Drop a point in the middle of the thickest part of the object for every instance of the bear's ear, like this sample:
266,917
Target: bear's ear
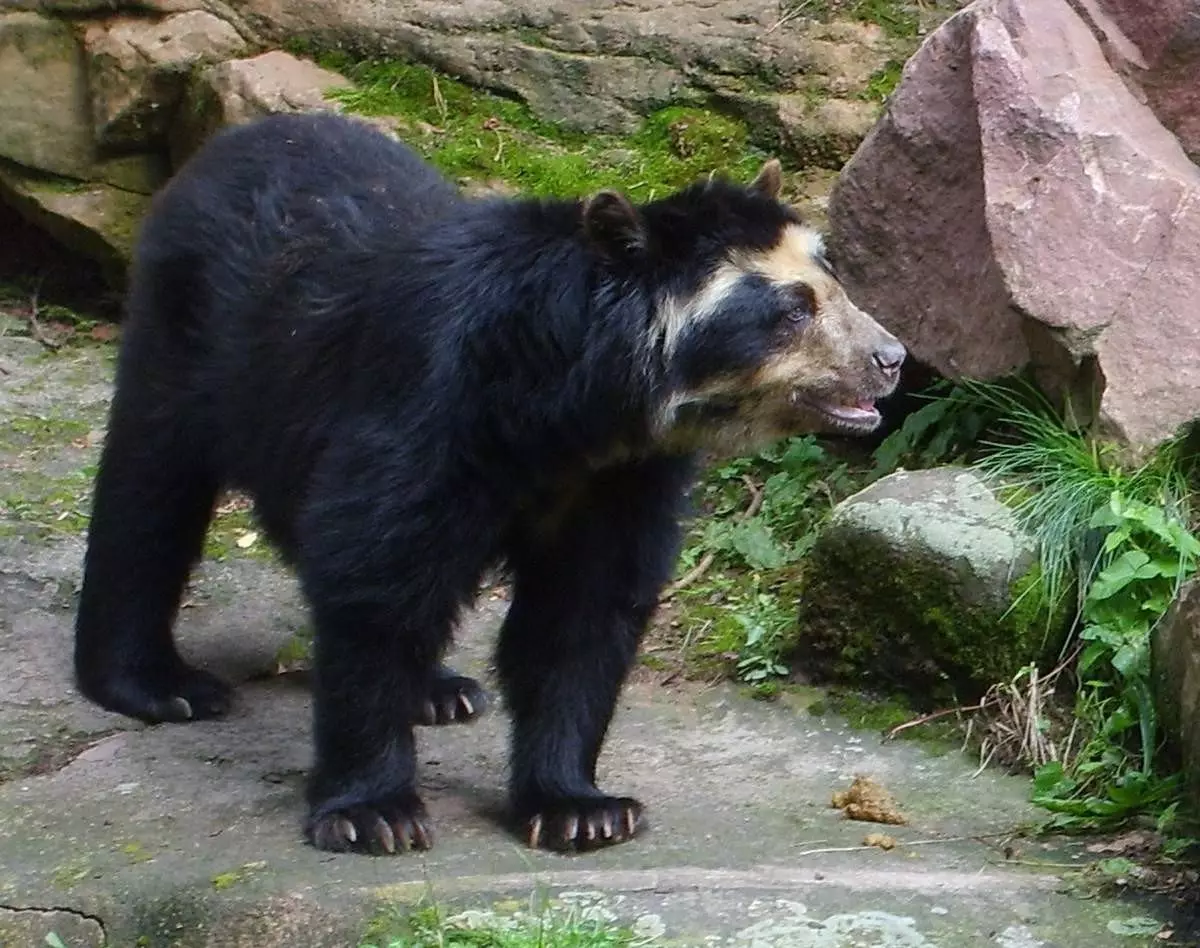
769,180
614,224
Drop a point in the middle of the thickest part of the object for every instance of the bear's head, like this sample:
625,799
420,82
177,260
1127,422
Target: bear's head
752,333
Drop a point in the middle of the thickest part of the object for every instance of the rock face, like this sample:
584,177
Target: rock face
43,96
238,91
601,66
946,564
1156,46
139,68
1176,660
1018,205
94,219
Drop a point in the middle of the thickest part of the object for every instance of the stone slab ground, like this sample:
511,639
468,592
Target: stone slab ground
116,834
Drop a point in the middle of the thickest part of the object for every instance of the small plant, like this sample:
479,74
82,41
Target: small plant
1118,535
765,623
943,430
747,611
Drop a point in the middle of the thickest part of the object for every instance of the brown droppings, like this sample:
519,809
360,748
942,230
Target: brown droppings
868,802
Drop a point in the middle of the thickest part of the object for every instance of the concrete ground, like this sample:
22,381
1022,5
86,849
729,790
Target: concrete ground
112,833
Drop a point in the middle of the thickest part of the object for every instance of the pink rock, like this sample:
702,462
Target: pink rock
1156,46
1018,205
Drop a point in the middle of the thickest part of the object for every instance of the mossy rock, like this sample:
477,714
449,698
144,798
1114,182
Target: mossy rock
923,584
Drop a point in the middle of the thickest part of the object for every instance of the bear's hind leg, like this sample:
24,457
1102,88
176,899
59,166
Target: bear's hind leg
151,507
584,590
453,699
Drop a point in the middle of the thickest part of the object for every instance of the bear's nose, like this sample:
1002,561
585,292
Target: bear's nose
890,356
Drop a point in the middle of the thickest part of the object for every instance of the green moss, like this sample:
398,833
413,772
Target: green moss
296,652
227,880
34,432
914,634
36,503
883,81
70,874
882,713
654,663
478,136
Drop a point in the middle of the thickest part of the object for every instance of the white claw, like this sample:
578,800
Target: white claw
466,703
535,832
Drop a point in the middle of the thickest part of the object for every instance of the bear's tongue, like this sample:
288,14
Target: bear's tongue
862,409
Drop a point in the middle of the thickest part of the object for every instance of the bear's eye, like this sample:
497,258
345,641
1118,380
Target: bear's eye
804,303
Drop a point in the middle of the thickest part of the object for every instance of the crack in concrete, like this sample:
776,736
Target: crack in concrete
59,910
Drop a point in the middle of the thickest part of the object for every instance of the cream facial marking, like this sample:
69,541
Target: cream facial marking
795,259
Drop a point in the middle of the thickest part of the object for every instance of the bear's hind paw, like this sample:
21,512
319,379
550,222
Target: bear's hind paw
187,694
453,699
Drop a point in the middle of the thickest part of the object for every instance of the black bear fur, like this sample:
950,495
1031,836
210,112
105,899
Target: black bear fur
412,387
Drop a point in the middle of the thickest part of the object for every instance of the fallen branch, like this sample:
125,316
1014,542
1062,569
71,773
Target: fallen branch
900,844
926,718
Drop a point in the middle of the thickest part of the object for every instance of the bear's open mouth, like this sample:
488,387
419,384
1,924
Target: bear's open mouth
857,415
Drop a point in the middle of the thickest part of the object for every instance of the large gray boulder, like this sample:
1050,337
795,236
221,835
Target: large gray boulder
953,605
1020,205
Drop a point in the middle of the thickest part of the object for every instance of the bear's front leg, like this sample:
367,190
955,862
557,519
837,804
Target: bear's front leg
386,565
370,685
586,584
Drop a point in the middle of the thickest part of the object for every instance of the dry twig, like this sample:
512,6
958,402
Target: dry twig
35,328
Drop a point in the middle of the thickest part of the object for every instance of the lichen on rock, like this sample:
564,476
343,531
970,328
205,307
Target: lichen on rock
924,584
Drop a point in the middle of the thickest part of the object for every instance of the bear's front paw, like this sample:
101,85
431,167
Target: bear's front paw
378,827
453,699
583,823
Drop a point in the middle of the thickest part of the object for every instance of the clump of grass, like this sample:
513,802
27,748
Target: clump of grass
883,81
568,925
1058,478
472,134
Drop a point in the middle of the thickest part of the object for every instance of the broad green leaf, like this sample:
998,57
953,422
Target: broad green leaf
753,540
1124,570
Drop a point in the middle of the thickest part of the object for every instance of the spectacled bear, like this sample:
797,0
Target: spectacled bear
414,386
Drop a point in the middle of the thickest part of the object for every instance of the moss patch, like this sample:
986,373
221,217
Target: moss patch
883,81
472,135
915,634
34,504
